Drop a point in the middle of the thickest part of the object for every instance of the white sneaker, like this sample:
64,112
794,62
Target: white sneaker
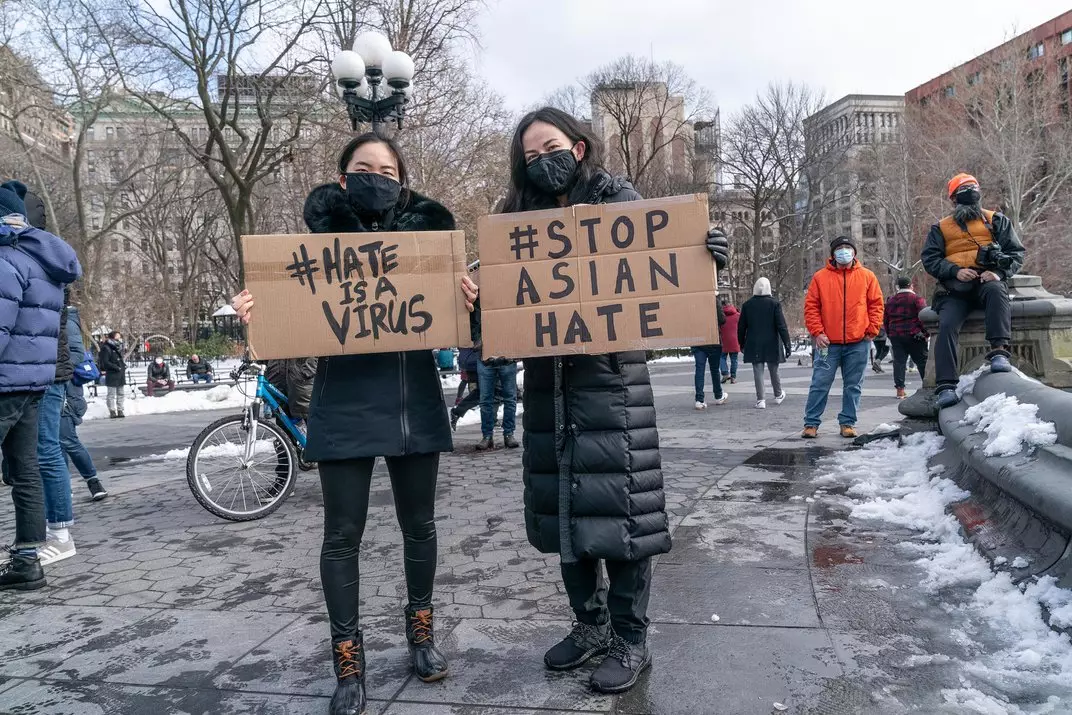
780,399
761,404
55,550
701,405
724,399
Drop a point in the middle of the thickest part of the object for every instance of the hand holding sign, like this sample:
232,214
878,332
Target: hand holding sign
243,305
471,291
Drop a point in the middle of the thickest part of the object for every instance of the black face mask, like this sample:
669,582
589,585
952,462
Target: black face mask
553,173
372,193
968,197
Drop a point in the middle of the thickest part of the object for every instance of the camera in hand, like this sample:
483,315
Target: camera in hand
991,257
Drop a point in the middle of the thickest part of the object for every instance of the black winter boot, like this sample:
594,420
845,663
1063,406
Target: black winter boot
624,664
349,661
582,644
428,662
21,573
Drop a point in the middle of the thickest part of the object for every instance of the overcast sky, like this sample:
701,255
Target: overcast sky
734,48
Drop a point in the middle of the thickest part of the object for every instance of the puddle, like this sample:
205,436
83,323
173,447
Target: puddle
799,457
836,555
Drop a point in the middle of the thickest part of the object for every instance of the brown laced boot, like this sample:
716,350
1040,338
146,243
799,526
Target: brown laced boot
349,661
428,662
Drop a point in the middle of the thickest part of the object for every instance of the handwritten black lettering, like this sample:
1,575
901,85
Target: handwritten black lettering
655,220
362,311
371,251
516,244
590,224
423,315
360,295
303,268
608,312
378,317
347,296
526,287
615,234
340,328
648,329
593,274
625,275
670,276
332,263
577,330
351,264
397,320
567,282
550,329
384,285
388,258
553,229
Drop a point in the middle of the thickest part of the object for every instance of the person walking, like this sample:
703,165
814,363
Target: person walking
497,377
908,337
710,356
74,409
880,349
198,370
843,313
591,464
366,406
159,377
114,368
731,348
35,266
763,333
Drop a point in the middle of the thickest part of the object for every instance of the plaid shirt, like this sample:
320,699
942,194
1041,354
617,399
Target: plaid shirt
902,315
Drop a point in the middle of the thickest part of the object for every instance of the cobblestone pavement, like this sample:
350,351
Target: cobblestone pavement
167,609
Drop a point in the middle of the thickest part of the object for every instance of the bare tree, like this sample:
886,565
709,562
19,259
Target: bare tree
572,100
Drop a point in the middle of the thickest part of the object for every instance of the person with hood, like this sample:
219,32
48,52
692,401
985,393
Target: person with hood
843,312
704,355
34,268
591,464
763,332
113,367
159,377
74,409
366,406
972,254
731,348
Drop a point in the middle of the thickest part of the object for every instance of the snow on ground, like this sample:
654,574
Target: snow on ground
1025,666
216,398
672,359
966,384
1009,425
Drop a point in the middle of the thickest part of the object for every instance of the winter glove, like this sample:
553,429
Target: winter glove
719,247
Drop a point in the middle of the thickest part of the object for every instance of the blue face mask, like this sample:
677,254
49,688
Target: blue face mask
844,256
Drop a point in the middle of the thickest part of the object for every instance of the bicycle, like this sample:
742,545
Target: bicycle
243,467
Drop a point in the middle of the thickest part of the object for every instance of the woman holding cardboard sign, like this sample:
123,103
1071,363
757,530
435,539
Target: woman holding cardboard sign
355,416
589,420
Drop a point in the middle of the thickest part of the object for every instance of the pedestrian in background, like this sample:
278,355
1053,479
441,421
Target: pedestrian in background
843,313
880,349
198,370
74,409
763,333
159,377
908,337
731,347
113,367
708,357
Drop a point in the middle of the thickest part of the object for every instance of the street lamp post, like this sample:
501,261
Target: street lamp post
359,76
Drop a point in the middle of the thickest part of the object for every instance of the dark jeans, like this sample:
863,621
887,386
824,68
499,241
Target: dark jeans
18,433
205,377
707,355
503,377
623,601
882,349
56,477
904,348
953,310
74,449
728,364
346,485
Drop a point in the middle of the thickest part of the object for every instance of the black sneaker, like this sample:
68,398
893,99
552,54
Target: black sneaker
119,414
21,573
96,489
622,667
453,420
510,442
582,644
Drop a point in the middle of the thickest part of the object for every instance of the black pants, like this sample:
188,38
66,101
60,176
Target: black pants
882,349
623,601
953,310
904,348
18,433
346,485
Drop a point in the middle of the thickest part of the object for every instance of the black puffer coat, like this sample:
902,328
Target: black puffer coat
762,331
383,404
112,364
604,469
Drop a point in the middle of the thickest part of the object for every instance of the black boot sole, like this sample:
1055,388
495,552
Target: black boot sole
433,678
576,663
25,585
625,686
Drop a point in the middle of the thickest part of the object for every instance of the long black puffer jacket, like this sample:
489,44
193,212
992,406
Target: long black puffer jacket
382,404
605,470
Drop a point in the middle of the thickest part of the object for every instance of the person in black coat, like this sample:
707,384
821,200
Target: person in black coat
377,405
591,463
113,366
764,338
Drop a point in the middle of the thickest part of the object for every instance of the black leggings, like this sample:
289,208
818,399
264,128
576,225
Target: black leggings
346,485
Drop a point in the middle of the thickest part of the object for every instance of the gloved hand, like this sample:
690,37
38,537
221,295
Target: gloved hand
719,246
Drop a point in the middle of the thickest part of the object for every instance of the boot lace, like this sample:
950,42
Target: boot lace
347,654
584,632
422,626
619,650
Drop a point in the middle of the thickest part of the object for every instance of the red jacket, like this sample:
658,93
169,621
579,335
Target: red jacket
845,304
730,343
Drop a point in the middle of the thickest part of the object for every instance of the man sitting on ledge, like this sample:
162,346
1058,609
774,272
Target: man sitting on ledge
972,254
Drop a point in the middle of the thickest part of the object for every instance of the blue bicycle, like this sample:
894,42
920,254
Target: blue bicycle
243,467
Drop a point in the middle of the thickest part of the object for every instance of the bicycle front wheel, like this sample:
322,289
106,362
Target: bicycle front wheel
239,475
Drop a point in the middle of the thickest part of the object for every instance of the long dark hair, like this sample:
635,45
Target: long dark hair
368,138
521,196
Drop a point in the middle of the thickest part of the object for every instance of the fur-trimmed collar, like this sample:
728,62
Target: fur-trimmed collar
328,210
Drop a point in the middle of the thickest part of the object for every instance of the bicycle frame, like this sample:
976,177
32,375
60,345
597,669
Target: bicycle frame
267,393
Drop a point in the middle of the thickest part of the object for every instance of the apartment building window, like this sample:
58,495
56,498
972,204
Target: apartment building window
1066,37
846,216
975,78
870,230
890,230
95,223
110,132
126,244
950,91
89,133
1062,71
115,245
145,245
1036,51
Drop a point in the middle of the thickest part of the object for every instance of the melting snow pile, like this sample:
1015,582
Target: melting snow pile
1009,425
1025,662
216,398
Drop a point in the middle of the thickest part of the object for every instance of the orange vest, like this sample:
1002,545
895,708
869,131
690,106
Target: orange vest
962,247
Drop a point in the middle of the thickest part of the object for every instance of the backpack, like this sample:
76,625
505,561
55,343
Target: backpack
85,372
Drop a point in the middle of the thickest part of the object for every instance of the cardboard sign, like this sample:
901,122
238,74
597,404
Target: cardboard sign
597,279
341,294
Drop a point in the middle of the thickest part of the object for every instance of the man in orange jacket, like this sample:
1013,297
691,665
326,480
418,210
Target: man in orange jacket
843,313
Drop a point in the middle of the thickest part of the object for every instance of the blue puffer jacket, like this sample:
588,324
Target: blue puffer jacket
34,267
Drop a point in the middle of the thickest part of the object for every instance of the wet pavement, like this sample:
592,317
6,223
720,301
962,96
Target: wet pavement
771,595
